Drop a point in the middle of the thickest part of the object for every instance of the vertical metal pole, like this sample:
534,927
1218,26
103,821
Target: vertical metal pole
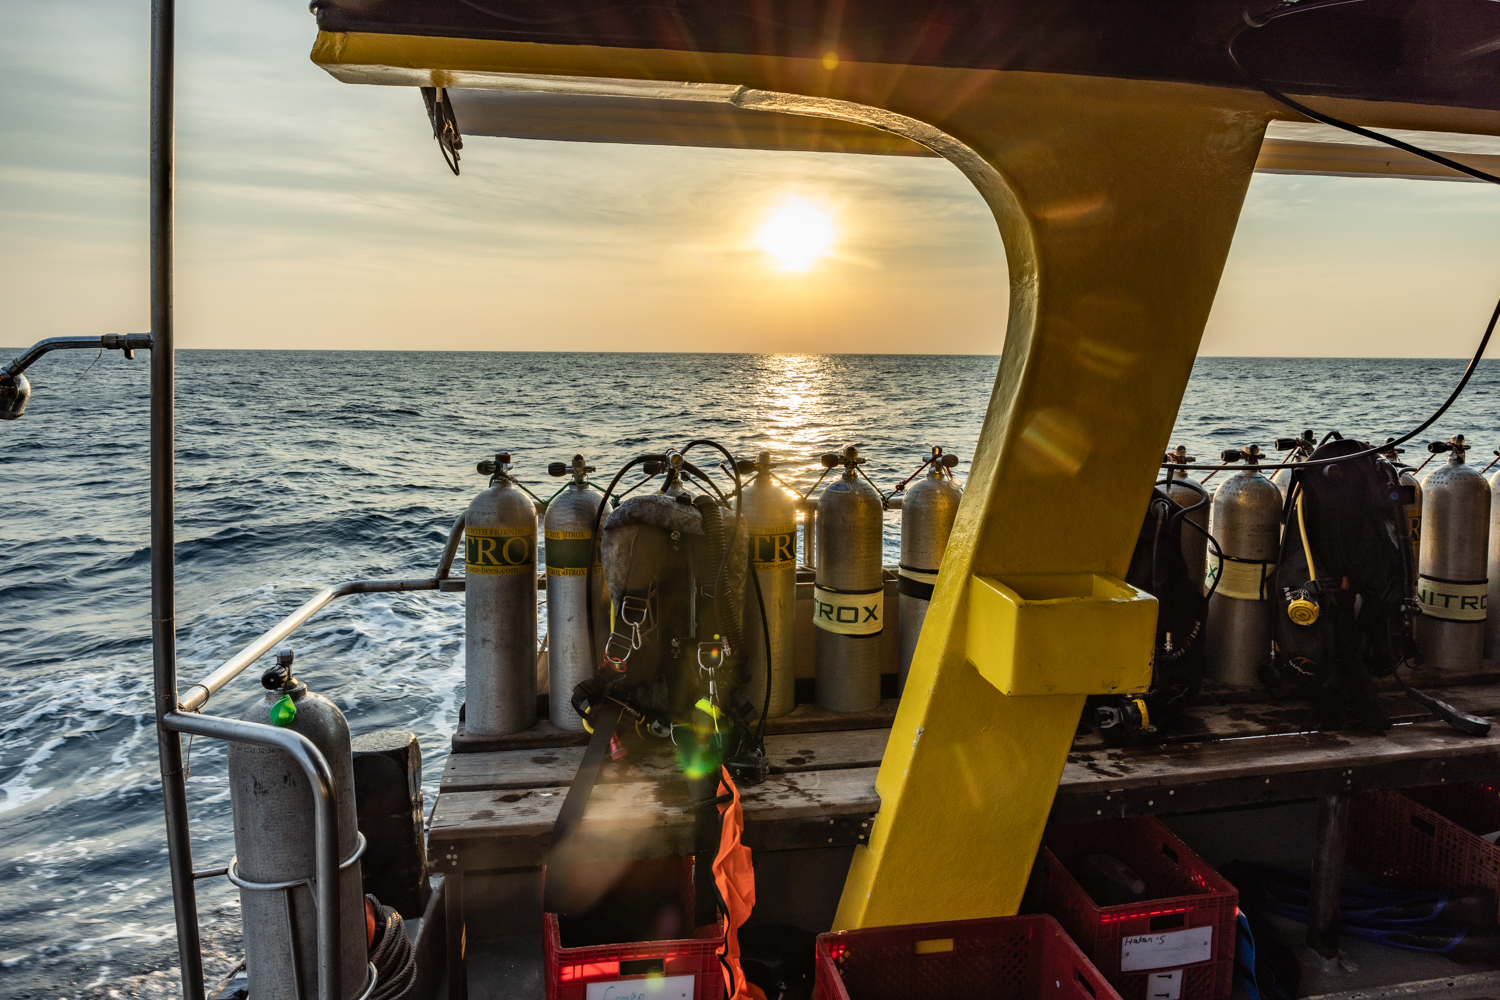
1327,876
163,577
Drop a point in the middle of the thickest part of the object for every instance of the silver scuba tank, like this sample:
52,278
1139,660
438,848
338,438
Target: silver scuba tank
570,546
274,824
848,591
1246,522
1194,541
500,606
927,512
1451,585
769,513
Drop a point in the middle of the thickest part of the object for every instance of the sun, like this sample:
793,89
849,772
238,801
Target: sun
797,233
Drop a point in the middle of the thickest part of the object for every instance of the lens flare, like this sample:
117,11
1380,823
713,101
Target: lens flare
797,233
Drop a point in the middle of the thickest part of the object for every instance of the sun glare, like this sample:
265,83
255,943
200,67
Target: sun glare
797,233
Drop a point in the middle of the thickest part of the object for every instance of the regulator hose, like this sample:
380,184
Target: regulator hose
391,953
729,615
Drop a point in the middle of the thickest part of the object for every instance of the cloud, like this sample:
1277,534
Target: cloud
315,214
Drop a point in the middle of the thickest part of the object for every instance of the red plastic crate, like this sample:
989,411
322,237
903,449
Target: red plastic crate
1005,958
1428,837
570,971
1191,902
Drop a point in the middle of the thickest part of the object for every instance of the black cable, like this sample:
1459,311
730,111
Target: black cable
1183,515
765,629
1276,95
588,575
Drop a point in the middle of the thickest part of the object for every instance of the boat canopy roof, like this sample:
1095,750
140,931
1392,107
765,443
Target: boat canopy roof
1442,53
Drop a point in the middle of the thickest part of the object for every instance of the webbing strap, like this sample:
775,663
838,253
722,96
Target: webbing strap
555,891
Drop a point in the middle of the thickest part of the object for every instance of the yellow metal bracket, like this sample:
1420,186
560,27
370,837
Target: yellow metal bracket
1061,633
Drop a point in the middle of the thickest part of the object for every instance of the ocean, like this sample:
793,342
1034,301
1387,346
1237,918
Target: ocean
300,469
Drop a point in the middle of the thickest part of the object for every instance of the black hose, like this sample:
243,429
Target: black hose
765,631
1284,9
588,575
718,554
392,955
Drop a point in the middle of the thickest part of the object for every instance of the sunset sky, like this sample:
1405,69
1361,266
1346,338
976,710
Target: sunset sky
316,214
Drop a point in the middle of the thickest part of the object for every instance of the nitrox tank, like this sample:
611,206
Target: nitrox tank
1246,523
1451,583
500,606
848,591
1413,510
927,512
568,527
274,843
1194,542
769,512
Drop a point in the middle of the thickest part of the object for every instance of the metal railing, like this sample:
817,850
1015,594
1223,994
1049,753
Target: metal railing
184,718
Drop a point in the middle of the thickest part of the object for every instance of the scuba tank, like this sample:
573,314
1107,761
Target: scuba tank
769,514
1300,448
1194,541
572,653
274,843
849,589
1246,522
500,606
1451,585
927,512
1413,510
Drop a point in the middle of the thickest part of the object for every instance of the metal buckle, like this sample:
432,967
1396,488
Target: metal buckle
617,649
716,651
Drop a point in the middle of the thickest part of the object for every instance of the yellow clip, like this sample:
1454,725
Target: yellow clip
1140,705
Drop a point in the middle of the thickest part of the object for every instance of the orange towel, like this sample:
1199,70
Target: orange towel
735,876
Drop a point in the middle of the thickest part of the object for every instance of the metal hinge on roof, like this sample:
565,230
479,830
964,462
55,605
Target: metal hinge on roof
444,124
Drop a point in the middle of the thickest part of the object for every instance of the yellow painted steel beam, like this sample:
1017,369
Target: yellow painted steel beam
1117,201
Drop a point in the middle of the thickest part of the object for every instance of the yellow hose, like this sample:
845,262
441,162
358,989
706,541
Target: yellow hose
1312,571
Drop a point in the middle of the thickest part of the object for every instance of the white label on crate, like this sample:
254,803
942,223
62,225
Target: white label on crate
1157,951
1164,985
647,988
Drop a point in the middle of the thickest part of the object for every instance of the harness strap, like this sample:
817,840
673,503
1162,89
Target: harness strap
555,891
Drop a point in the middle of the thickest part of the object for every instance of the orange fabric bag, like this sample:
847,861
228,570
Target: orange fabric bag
735,876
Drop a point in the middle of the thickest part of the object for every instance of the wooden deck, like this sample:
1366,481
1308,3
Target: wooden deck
495,809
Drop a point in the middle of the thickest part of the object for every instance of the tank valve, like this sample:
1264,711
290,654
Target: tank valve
848,457
499,467
279,678
578,469
1250,455
1455,444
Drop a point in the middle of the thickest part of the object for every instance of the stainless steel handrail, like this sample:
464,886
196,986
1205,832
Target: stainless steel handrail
198,694
455,536
128,342
325,820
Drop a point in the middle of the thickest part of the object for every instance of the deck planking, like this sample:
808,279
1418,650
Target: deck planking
496,809
500,828
789,754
